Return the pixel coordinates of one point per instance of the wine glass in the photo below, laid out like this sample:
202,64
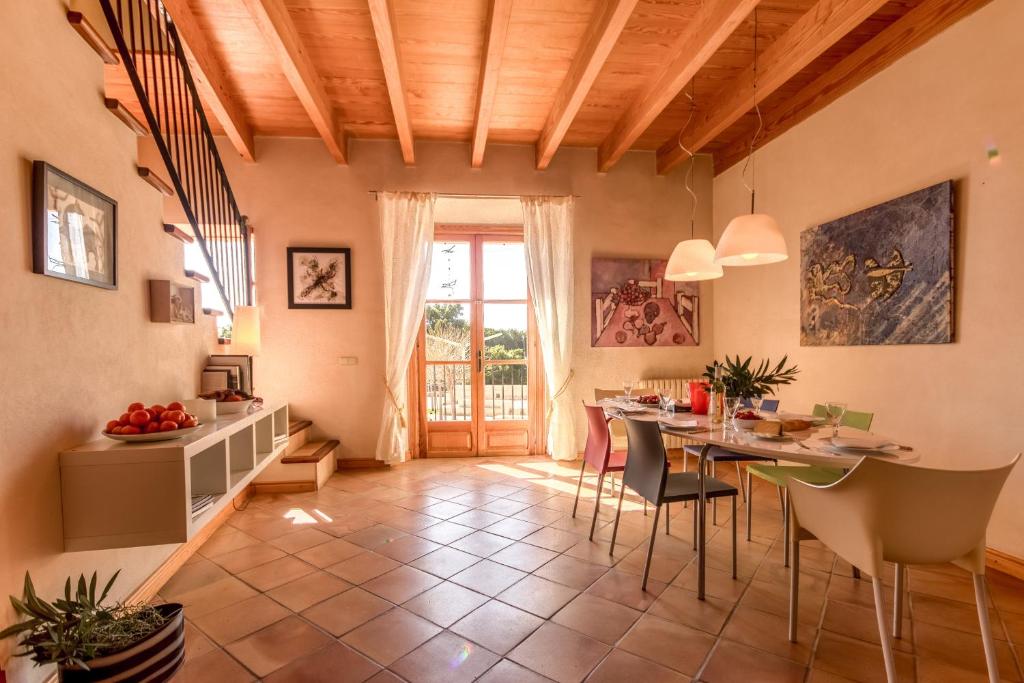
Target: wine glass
732,405
664,399
627,389
834,411
756,402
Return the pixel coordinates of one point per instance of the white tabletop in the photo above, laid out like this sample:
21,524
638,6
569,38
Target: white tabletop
805,447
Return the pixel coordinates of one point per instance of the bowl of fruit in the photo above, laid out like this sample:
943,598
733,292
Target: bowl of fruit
648,399
230,401
746,419
156,423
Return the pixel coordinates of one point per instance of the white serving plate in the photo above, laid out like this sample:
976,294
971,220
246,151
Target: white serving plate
155,436
867,442
233,407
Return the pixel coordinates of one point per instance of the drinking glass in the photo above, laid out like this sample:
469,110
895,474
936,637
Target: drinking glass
627,389
664,400
756,402
834,411
732,405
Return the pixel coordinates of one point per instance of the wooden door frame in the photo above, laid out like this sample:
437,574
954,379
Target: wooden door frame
417,403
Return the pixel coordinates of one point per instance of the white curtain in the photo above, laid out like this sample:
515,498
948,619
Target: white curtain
406,238
547,235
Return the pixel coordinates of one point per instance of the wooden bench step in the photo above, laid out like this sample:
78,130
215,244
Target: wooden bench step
296,426
311,452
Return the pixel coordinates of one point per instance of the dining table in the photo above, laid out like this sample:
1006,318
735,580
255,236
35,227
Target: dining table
807,447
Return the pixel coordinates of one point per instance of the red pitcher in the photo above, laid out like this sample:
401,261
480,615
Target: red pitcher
699,398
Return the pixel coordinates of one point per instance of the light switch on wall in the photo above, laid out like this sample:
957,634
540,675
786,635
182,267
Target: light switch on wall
348,360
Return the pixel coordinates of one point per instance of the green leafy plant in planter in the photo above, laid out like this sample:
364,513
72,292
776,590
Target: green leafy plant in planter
744,381
83,637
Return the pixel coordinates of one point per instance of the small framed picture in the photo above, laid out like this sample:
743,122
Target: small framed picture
74,229
319,277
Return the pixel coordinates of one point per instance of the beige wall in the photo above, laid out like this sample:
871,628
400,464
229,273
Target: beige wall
926,119
71,356
296,195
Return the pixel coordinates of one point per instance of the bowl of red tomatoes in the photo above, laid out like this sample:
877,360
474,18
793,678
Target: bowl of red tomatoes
155,423
746,419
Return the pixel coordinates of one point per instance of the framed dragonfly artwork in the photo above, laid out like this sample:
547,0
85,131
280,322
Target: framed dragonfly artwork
319,277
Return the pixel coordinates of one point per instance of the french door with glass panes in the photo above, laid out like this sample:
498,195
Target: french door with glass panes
478,374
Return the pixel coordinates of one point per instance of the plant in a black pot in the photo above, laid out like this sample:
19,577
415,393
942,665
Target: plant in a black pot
89,641
744,381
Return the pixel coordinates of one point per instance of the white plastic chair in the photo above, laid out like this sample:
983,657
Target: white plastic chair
883,511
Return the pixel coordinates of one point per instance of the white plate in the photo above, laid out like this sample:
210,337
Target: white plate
892,448
868,442
155,436
773,437
233,407
794,416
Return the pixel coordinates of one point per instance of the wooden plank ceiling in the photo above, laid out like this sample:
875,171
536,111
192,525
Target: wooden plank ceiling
607,74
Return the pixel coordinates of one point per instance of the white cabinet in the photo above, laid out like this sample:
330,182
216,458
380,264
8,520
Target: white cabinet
119,495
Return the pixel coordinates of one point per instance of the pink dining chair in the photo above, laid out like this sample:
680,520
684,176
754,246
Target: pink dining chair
600,456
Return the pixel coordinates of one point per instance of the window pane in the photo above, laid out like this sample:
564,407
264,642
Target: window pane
504,270
505,392
504,331
448,331
449,393
449,271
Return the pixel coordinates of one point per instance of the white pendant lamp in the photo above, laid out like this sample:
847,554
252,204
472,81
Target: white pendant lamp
754,239
693,260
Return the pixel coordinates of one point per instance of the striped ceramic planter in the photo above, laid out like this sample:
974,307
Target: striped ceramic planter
153,659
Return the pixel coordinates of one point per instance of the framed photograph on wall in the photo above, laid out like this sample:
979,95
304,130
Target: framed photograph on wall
74,229
319,277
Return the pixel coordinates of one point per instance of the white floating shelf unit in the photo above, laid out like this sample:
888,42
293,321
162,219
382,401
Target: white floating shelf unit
121,495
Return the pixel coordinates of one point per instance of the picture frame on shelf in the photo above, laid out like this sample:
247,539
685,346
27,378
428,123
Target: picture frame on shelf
170,302
74,229
320,277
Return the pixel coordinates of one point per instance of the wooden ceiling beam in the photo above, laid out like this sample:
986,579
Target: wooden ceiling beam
602,34
497,31
210,78
817,30
271,16
382,13
912,30
714,22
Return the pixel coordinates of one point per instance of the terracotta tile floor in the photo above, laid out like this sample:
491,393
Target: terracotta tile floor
462,570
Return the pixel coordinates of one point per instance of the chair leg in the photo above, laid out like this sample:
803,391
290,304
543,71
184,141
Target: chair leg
980,595
597,505
749,502
645,507
579,487
618,511
739,480
695,530
897,610
785,528
650,548
734,537
883,635
714,501
667,516
686,459
794,590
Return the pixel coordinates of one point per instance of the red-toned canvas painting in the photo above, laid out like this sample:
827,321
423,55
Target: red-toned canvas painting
634,305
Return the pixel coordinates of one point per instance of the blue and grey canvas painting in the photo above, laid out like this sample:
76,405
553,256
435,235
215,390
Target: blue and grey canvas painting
883,275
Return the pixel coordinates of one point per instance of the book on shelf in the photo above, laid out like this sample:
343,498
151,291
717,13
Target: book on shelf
240,366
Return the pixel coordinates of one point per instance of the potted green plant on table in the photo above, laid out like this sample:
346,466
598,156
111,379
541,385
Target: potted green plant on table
89,641
744,381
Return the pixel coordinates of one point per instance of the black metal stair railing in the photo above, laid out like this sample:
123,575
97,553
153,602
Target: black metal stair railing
153,56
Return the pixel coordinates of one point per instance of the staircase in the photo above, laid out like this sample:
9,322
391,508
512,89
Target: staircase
305,465
169,111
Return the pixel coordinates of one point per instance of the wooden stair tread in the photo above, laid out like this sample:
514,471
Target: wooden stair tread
92,37
312,452
155,181
117,108
179,234
296,426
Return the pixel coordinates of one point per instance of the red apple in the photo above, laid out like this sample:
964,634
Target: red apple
168,426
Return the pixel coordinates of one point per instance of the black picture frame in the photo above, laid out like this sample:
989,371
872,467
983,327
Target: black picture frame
304,299
51,187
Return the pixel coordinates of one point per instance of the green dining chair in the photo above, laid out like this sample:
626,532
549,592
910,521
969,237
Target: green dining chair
813,474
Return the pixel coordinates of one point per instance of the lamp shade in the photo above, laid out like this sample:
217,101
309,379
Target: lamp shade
751,240
692,260
245,330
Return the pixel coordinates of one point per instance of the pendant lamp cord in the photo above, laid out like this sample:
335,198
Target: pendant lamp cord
689,171
757,134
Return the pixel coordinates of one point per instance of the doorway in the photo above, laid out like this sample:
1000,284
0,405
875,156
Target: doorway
478,354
